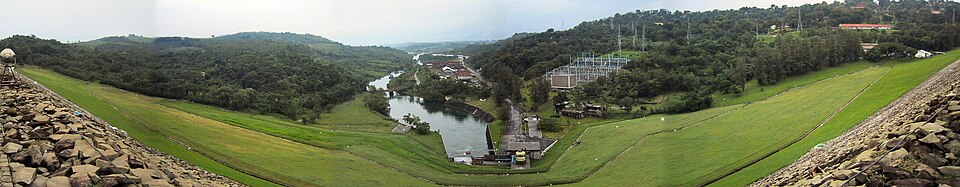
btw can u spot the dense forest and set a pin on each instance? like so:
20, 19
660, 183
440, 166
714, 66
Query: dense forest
294, 75
706, 52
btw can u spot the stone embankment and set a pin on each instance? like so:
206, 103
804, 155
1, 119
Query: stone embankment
48, 141
914, 141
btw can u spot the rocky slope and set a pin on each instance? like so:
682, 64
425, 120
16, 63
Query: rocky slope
48, 141
914, 141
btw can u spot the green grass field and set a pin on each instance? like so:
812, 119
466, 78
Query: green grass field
660, 150
902, 78
695, 155
279, 160
354, 115
752, 92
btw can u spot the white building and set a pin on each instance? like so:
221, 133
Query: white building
923, 54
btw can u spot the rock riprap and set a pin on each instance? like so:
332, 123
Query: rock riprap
918, 153
913, 141
48, 141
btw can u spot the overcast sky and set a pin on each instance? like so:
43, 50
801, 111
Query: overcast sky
354, 22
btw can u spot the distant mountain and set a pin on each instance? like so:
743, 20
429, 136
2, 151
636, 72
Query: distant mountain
424, 47
278, 36
368, 61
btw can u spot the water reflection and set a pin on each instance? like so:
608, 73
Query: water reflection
460, 131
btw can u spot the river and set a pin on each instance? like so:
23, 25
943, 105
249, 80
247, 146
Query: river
460, 131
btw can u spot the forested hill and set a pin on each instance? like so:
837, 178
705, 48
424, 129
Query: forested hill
273, 36
720, 50
266, 75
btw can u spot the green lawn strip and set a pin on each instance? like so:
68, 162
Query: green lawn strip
496, 132
76, 92
901, 79
354, 115
432, 141
752, 92
696, 155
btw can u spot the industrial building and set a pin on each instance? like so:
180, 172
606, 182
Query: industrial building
582, 69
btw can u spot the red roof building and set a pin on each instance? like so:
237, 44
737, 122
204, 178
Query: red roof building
865, 26
860, 5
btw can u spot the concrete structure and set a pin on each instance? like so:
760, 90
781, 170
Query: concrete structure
865, 26
533, 148
923, 54
583, 69
867, 46
563, 81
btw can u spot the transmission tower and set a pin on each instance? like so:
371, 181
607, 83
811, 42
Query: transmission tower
618, 40
634, 25
688, 29
799, 18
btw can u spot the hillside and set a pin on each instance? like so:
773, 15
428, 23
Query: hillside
261, 72
715, 52
52, 142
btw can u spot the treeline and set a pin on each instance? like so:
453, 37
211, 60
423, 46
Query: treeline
264, 76
701, 53
791, 55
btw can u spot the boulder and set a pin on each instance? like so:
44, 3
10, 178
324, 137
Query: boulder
40, 181
157, 183
83, 179
148, 174
11, 148
58, 181
895, 172
894, 158
24, 176
843, 174
949, 171
110, 154
119, 179
41, 118
866, 155
84, 169
933, 128
910, 182
930, 139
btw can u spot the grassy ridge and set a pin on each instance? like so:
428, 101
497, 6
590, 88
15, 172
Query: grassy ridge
354, 115
277, 159
695, 155
76, 91
752, 92
901, 79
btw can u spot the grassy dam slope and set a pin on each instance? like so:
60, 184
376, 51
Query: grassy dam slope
741, 140
283, 161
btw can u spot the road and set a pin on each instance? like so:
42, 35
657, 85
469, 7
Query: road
532, 128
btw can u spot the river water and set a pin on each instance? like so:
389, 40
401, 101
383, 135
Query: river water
460, 131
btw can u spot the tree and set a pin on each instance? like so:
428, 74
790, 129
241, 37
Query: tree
376, 102
541, 93
549, 124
